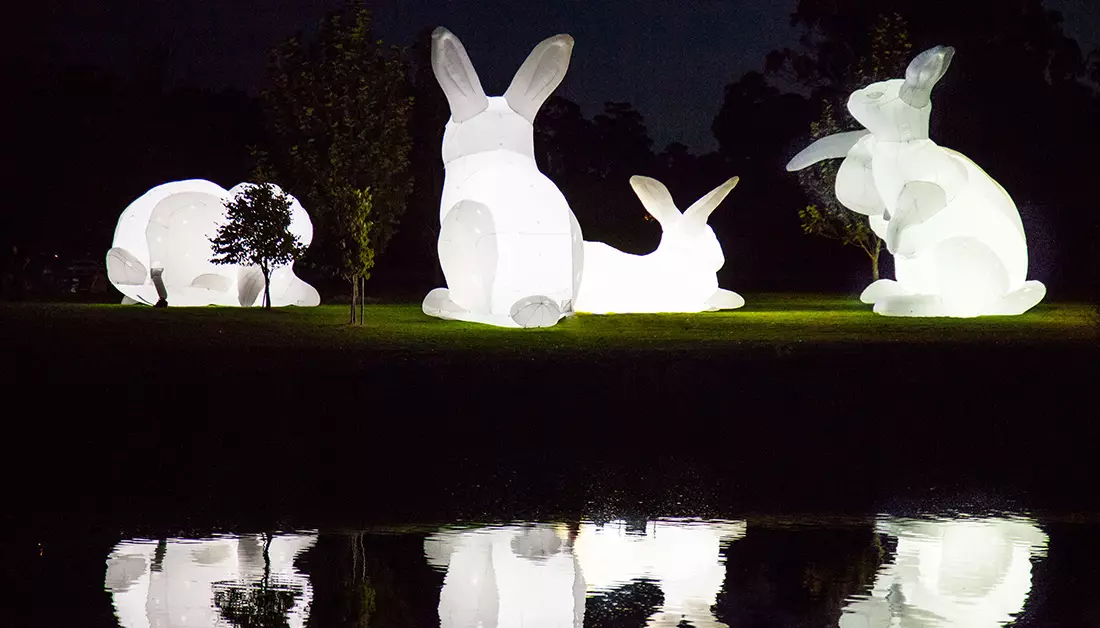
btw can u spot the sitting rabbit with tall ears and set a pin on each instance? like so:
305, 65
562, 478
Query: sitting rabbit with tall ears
957, 239
510, 248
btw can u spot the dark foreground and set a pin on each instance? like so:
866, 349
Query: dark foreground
139, 414
130, 422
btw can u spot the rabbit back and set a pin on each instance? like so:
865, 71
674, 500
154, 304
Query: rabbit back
618, 282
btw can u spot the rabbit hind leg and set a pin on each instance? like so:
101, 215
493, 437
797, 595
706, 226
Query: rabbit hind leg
468, 255
1020, 300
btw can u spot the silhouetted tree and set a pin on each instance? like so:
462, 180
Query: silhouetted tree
824, 216
339, 108
257, 232
411, 263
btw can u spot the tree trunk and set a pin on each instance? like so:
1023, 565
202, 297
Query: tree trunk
354, 293
874, 259
362, 296
267, 559
267, 287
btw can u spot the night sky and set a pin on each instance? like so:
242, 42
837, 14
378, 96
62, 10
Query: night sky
670, 59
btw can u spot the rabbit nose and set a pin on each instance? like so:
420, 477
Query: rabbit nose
886, 214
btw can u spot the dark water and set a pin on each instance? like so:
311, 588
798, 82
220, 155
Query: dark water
957, 570
134, 476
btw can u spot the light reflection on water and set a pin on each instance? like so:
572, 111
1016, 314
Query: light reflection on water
221, 581
938, 572
540, 575
968, 572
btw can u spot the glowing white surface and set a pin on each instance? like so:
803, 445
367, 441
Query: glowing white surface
962, 573
170, 227
510, 248
181, 593
679, 276
956, 236
539, 576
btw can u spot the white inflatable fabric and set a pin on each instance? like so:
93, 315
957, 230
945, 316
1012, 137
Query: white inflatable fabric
162, 248
679, 276
959, 573
173, 584
956, 236
509, 245
541, 574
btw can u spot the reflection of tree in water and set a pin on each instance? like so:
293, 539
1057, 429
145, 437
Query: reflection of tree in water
800, 577
362, 580
263, 604
627, 606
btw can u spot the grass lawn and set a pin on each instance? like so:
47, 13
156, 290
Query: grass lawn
768, 320
793, 400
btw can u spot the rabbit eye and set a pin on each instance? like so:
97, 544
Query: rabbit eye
874, 95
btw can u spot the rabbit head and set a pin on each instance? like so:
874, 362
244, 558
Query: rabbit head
898, 110
684, 236
481, 123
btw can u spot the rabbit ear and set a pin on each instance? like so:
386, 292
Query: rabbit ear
923, 74
539, 75
701, 209
456, 76
832, 146
656, 199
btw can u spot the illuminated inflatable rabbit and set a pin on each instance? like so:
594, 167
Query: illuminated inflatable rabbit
510, 248
162, 249
679, 276
958, 243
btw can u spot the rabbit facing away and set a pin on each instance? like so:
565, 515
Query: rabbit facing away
510, 248
163, 238
956, 236
679, 276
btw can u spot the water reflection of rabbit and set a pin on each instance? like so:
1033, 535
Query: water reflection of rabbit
508, 241
956, 235
679, 276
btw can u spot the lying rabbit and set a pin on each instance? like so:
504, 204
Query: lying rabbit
510, 248
956, 235
679, 276
162, 249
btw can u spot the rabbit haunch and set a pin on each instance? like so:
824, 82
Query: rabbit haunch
679, 276
956, 235
508, 243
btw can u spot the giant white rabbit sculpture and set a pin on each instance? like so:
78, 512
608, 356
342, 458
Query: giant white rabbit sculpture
510, 248
679, 276
161, 249
956, 236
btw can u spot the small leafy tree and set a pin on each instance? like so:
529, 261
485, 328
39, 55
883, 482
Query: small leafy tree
352, 210
339, 104
258, 232
824, 216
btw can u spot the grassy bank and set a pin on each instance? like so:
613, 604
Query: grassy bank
804, 320
791, 402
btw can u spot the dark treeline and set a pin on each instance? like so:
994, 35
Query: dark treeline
1020, 100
